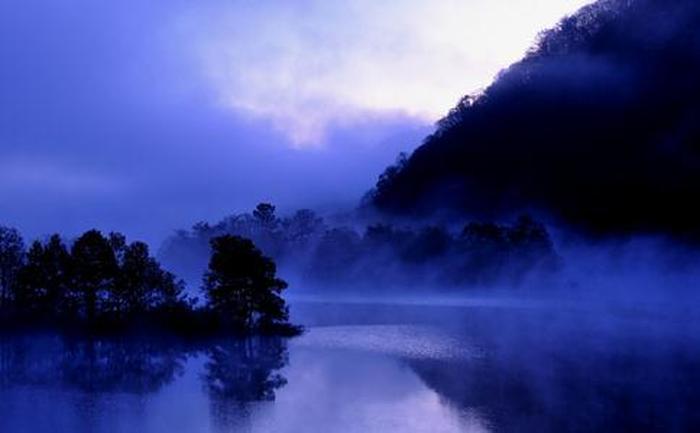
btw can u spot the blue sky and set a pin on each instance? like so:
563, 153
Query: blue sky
148, 116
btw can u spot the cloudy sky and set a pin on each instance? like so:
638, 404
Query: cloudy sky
145, 116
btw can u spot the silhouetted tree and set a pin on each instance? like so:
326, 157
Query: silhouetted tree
302, 227
508, 251
485, 250
170, 296
391, 172
11, 257
134, 289
430, 243
264, 214
241, 286
384, 236
118, 243
266, 230
143, 285
45, 281
532, 246
530, 235
244, 225
30, 292
135, 283
95, 267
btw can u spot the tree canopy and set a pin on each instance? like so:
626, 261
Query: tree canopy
11, 256
241, 285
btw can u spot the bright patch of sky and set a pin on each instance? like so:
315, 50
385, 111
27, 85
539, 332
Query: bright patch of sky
307, 64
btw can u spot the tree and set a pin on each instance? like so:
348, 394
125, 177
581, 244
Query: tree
11, 258
141, 284
95, 270
303, 226
170, 297
532, 246
264, 214
241, 286
266, 232
137, 281
58, 268
118, 243
29, 294
45, 280
430, 243
528, 234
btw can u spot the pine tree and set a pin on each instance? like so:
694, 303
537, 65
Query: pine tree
241, 286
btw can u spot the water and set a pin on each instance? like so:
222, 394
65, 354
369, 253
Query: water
477, 367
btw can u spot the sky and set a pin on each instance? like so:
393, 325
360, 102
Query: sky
147, 116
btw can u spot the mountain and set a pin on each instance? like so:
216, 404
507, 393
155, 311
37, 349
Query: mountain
598, 127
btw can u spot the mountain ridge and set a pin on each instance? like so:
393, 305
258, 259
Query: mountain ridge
597, 127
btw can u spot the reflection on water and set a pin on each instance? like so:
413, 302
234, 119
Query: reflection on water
542, 374
104, 372
88, 365
370, 369
238, 372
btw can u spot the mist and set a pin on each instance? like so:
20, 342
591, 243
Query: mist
350, 257
285, 216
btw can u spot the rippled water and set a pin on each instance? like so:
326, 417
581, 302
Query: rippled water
371, 368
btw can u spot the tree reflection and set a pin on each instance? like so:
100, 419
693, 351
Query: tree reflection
572, 377
91, 365
236, 372
239, 373
109, 366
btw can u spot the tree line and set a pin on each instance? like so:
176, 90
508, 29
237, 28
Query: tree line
321, 252
102, 281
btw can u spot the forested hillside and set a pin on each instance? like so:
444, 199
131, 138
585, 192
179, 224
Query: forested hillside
598, 127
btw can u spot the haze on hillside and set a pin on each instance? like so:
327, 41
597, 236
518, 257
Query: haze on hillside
597, 127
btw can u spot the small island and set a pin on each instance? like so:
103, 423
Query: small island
103, 284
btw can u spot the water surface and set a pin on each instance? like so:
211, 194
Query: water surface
364, 367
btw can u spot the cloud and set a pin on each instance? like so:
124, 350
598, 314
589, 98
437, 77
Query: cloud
310, 63
33, 177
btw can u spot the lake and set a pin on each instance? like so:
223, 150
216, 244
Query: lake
476, 366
